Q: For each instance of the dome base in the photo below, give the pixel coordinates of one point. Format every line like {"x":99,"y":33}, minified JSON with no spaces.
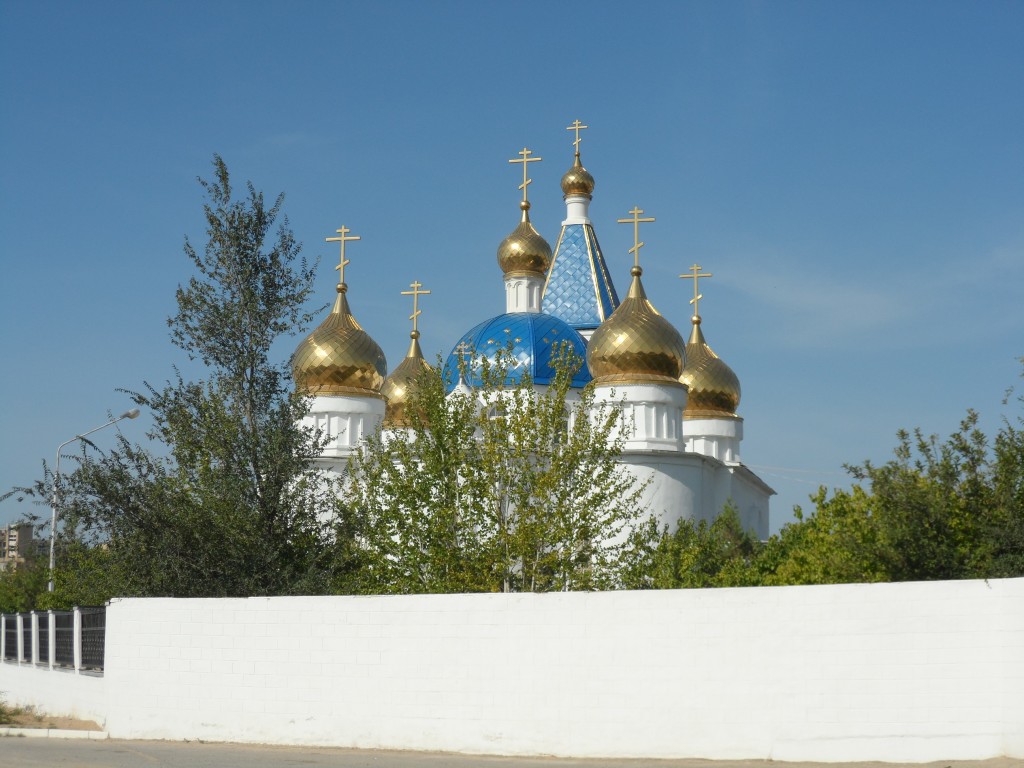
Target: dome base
{"x":652,"y":414}
{"x":345,"y":421}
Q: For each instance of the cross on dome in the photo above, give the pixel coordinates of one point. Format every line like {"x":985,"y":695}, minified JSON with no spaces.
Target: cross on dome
{"x":525,"y":160}
{"x":695,"y":276}
{"x":343,"y":239}
{"x":577,"y":126}
{"x":636,"y":221}
{"x":415,"y":293}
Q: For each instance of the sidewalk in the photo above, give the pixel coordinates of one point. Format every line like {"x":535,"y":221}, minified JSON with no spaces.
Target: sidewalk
{"x":98,"y":752}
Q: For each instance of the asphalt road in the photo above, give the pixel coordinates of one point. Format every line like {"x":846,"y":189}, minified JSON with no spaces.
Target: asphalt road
{"x":18,"y":752}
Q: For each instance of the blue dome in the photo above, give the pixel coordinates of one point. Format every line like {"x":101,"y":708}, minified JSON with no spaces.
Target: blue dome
{"x":533,"y":337}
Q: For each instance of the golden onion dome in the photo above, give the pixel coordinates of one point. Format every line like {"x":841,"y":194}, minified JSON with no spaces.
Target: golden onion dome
{"x":577,"y":180}
{"x":636,"y":344}
{"x":339,"y":357}
{"x":524,"y":251}
{"x":402,"y":382}
{"x":714,"y":387}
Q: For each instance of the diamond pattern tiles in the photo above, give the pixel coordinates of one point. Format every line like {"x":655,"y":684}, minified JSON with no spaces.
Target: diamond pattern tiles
{"x":339,"y":357}
{"x":636,"y":344}
{"x":532,"y":337}
{"x":400,"y":384}
{"x":579,"y":290}
{"x":714,"y":386}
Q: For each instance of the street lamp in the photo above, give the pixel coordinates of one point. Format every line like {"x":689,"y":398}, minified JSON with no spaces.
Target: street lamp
{"x":56,"y":483}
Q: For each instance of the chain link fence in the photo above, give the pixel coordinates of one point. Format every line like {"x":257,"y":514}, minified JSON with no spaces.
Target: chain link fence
{"x":10,"y":638}
{"x":64,"y":640}
{"x":94,"y":633}
{"x":44,"y":640}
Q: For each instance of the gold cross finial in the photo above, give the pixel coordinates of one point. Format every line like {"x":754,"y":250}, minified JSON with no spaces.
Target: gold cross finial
{"x":636,"y":221}
{"x":343,"y":239}
{"x":695,"y":275}
{"x":415,"y":293}
{"x":577,"y":126}
{"x":525,"y":160}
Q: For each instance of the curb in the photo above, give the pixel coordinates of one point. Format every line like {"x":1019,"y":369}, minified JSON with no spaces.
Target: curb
{"x":53,"y":733}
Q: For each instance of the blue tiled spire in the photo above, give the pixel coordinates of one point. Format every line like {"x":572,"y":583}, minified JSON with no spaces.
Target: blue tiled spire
{"x":579,"y":289}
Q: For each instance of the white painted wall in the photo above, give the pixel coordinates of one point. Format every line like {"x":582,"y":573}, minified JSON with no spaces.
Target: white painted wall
{"x":718,"y":438}
{"x":577,"y":210}
{"x":690,"y":486}
{"x":897,"y":672}
{"x":60,"y":692}
{"x":652,"y":415}
{"x":523,"y":292}
{"x":345,"y":420}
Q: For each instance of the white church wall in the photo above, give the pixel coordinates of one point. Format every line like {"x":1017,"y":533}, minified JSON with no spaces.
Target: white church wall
{"x":690,"y":486}
{"x":674,"y":484}
{"x":652,"y":415}
{"x":523,"y":293}
{"x":718,"y":438}
{"x":750,"y":499}
{"x":577,"y":208}
{"x":344,"y":420}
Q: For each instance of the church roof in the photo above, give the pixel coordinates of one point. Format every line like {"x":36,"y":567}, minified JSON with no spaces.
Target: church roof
{"x":578,"y":287}
{"x":401,"y":383}
{"x":339,"y":357}
{"x":714,"y":387}
{"x":533,"y":340}
{"x":637,"y":344}
{"x":524,"y":251}
{"x":577,"y":180}
{"x":404,"y":380}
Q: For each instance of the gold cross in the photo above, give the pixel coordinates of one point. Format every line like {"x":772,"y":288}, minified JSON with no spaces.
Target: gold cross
{"x":697,"y":274}
{"x":525,"y":160}
{"x":343,"y":239}
{"x":636,"y":221}
{"x":577,"y":126}
{"x":415,"y":293}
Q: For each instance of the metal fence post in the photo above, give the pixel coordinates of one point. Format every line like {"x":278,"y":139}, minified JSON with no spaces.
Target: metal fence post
{"x":3,"y":637}
{"x":20,"y":628}
{"x":53,"y":638}
{"x":34,"y":618}
{"x":77,"y":639}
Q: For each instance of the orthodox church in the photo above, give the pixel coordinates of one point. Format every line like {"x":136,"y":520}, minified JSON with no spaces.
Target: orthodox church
{"x":682,"y":432}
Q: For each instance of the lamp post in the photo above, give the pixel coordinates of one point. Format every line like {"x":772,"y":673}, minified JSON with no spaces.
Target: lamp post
{"x":131,"y":414}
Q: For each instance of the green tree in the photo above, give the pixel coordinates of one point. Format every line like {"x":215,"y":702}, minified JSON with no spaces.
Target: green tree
{"x":836,"y":543}
{"x":1005,"y":530}
{"x":22,"y":585}
{"x":697,"y":554}
{"x":505,"y":488}
{"x":947,"y":509}
{"x":223,"y":499}
{"x":930,"y":504}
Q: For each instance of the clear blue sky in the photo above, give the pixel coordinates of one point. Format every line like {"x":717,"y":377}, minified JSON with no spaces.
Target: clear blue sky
{"x":852,"y":174}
